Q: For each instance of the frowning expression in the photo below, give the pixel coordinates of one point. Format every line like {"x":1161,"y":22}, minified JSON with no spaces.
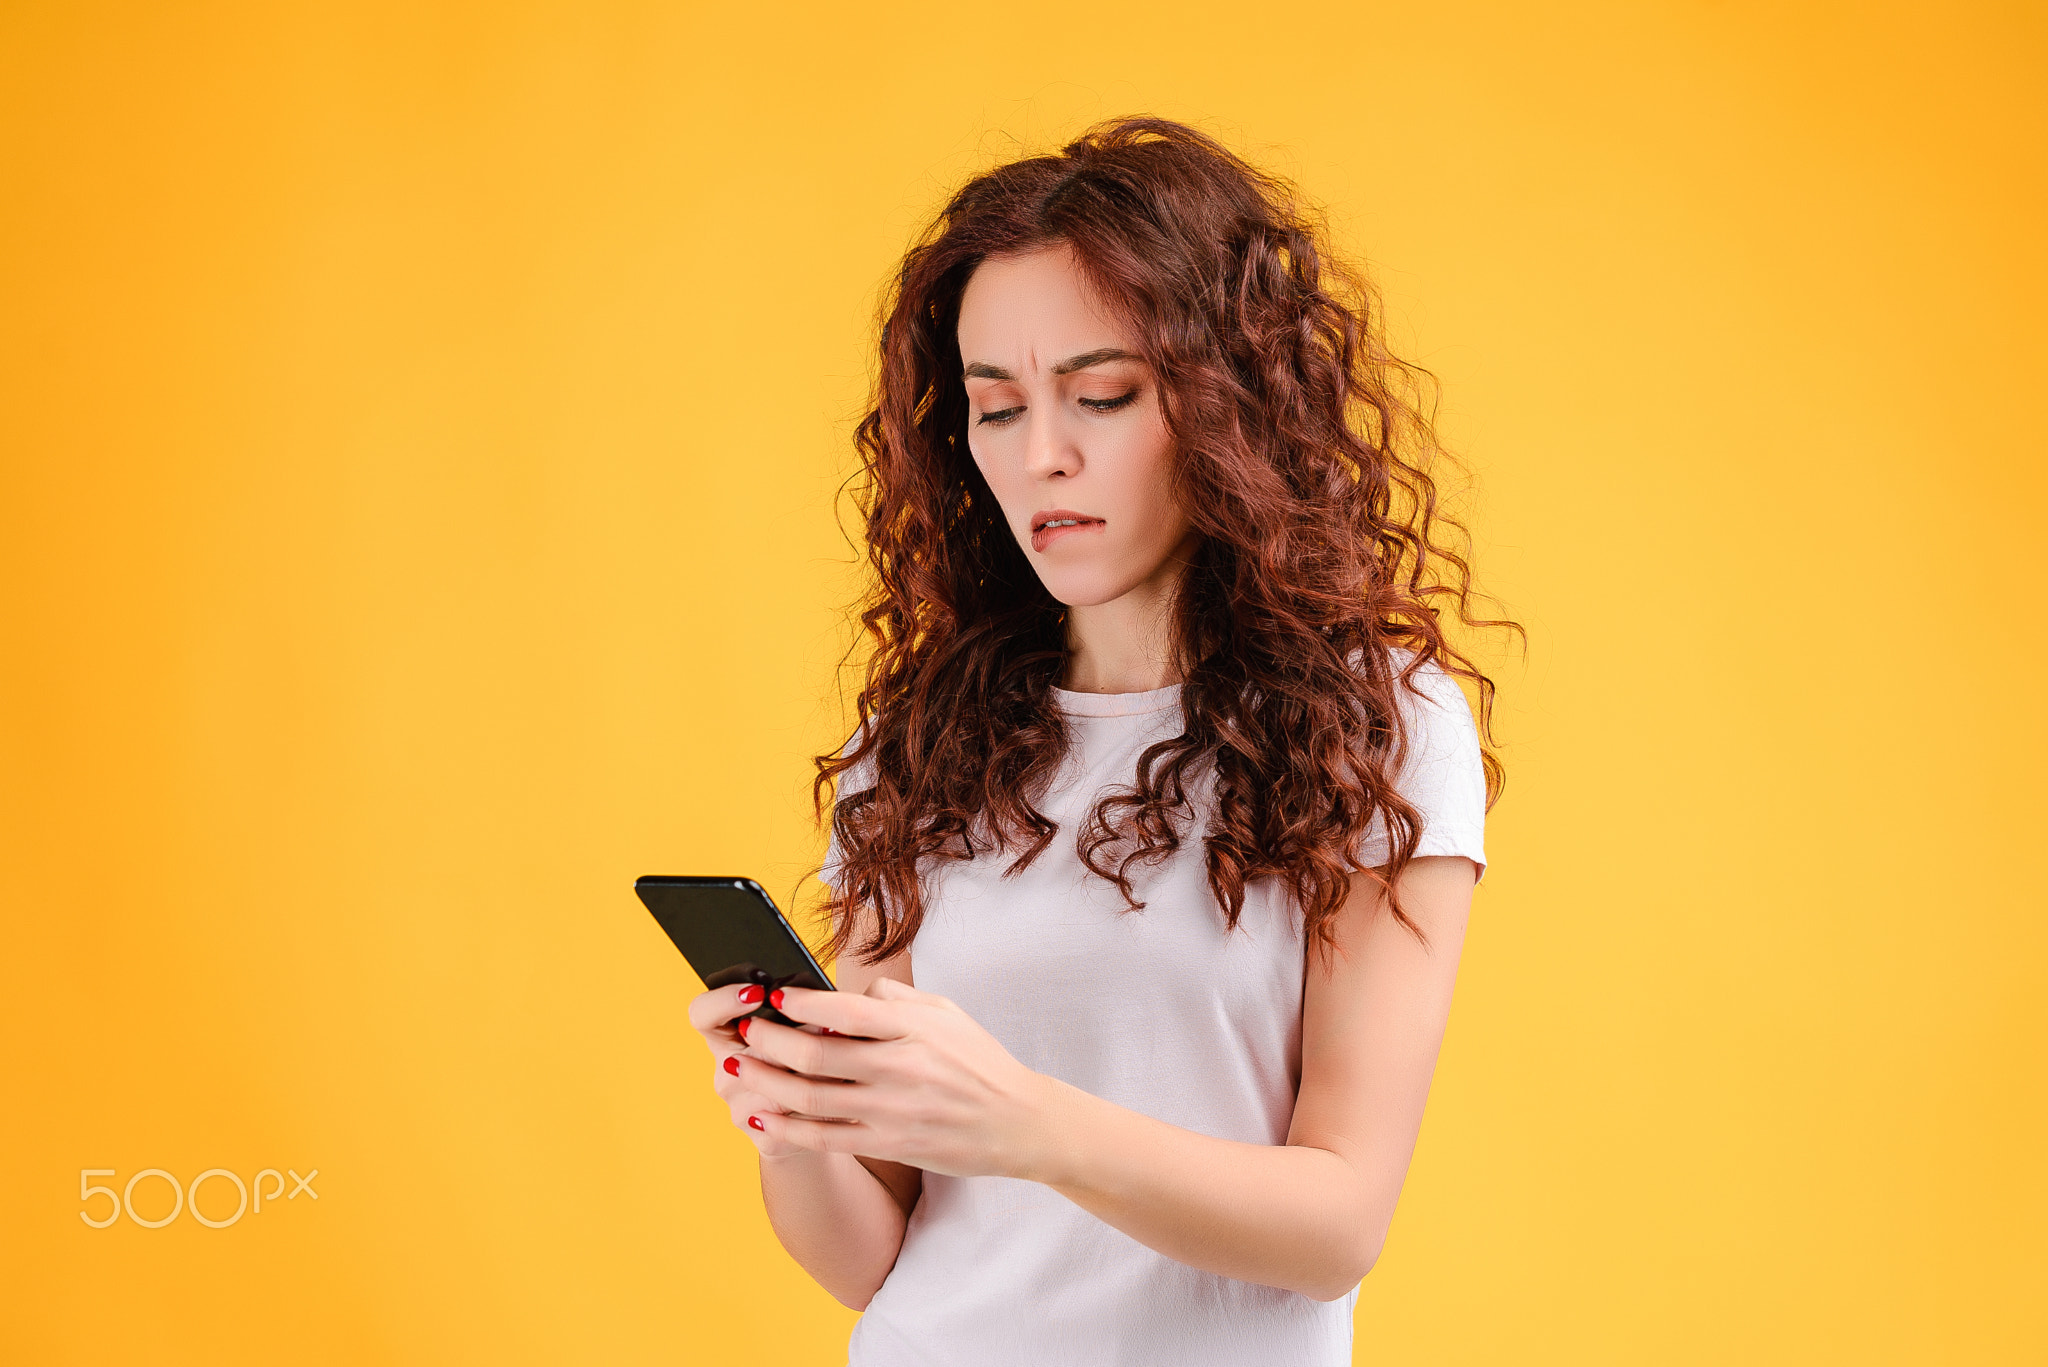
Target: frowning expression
{"x":1065,"y":424}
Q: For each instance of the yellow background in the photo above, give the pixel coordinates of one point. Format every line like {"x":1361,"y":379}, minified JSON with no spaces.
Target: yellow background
{"x":421,"y":428}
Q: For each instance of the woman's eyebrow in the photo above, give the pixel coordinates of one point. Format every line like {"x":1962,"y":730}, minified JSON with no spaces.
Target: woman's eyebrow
{"x":1095,"y":357}
{"x":982,"y":370}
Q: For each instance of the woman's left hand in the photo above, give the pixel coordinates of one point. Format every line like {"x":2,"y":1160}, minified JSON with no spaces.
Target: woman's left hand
{"x":905,"y":1076}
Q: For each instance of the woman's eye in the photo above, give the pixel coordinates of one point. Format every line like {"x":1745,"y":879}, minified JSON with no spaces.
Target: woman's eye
{"x":1000,"y":416}
{"x":1111,"y":405}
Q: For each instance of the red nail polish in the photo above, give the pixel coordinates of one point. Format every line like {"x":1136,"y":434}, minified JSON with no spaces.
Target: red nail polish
{"x":732,"y":1065}
{"x":755,"y":1121}
{"x":750,"y":994}
{"x":827,"y":1030}
{"x":775,"y":999}
{"x":741,"y":1025}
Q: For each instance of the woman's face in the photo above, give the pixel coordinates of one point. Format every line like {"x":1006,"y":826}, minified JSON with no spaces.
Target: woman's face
{"x":1064,"y":422}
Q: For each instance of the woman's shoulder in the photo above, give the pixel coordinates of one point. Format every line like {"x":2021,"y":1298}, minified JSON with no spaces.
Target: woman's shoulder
{"x":1442,"y":771}
{"x":1425,"y":692}
{"x":859,"y":776}
{"x":1439,"y":735}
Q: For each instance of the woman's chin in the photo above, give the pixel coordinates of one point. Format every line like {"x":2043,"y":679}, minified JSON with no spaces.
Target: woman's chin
{"x":1086,"y":590}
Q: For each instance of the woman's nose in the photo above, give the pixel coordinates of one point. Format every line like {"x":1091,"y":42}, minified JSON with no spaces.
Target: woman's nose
{"x":1049,"y":448}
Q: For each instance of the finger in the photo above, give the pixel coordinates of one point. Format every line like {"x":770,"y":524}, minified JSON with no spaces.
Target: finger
{"x":819,"y":1136}
{"x":800,"y":1051}
{"x":725,"y":1075}
{"x":849,"y":1013}
{"x":745,"y":1103}
{"x":722,"y":1005}
{"x":803,"y":1095}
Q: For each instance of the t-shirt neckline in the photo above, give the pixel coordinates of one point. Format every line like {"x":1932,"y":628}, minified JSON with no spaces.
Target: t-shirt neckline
{"x":1116,"y":704}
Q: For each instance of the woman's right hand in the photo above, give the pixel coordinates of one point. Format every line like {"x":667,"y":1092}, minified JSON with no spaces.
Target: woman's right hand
{"x":717,"y":1016}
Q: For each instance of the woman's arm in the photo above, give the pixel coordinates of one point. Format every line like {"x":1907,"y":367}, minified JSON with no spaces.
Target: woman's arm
{"x":1312,"y":1215}
{"x":928,"y":1086}
{"x":841,"y":1217}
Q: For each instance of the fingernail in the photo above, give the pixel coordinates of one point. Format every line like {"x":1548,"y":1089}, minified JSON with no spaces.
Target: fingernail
{"x":755,"y":1121}
{"x":732,"y":1064}
{"x":741,"y":1026}
{"x":775,"y":999}
{"x":750,"y":994}
{"x":827,"y":1030}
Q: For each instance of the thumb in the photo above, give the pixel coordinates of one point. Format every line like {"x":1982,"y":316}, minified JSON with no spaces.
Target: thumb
{"x":890,"y":990}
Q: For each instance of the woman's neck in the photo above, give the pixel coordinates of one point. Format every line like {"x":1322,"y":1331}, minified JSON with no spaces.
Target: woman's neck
{"x":1126,"y":644}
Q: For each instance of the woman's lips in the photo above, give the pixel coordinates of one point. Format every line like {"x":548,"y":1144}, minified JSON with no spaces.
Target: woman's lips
{"x":1068,"y":524}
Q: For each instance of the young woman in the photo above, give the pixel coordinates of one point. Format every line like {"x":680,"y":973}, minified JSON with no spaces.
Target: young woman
{"x":1152,"y":857}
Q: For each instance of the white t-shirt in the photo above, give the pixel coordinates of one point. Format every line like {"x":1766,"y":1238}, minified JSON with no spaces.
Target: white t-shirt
{"x":1158,"y":1010}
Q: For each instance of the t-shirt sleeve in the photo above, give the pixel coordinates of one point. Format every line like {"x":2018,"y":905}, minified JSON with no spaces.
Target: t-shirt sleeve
{"x":1442,"y":776}
{"x":857,"y":779}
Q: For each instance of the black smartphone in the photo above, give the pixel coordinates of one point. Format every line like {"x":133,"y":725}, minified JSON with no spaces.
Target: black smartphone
{"x":731,"y":932}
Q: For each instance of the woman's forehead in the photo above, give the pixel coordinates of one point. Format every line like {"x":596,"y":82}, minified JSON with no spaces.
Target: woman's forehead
{"x":1039,"y":309}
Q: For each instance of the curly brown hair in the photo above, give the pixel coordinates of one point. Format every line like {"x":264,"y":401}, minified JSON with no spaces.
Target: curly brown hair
{"x":1302,"y":456}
